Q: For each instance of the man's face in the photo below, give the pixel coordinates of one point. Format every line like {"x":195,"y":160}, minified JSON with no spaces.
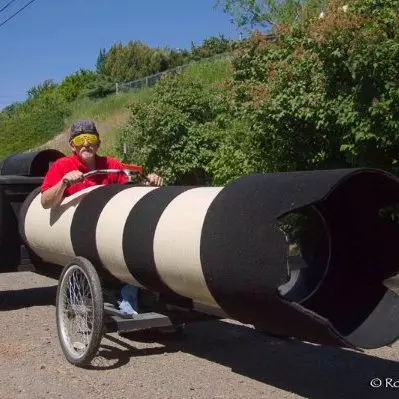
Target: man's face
{"x":85,"y":146}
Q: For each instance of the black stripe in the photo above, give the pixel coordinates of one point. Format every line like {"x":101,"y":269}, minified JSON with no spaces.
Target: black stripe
{"x":85,"y":219}
{"x":138,"y":236}
{"x":243,"y":252}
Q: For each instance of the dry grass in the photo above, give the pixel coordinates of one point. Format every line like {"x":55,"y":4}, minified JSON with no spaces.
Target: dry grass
{"x":112,"y":112}
{"x":107,"y":127}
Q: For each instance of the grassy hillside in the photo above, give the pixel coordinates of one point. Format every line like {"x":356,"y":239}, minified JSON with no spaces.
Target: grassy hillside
{"x":111,"y":112}
{"x":108,"y":113}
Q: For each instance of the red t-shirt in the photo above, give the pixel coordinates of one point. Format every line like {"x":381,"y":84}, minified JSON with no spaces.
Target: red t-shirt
{"x":72,"y":162}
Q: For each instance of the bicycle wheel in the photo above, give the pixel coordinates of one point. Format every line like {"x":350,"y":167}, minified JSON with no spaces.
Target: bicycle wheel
{"x":79,"y":311}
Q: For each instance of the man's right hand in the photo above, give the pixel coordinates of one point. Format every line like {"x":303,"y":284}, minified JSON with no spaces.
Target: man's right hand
{"x":73,"y":177}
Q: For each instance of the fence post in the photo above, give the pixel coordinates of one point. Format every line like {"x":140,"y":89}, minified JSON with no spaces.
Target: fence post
{"x":124,"y":152}
{"x":116,"y":87}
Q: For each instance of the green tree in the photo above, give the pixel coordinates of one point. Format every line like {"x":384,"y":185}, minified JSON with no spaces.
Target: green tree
{"x":325,"y":93}
{"x":134,"y":60}
{"x":178,"y":131}
{"x":248,"y":14}
{"x":100,"y":87}
{"x":100,"y":61}
{"x":211,"y":46}
{"x":11,"y":110}
{"x":176,"y":57}
{"x":46,"y":88}
{"x":74,"y":85}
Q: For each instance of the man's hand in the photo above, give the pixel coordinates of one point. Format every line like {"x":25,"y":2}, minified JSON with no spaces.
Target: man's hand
{"x":54,"y":195}
{"x":73,"y":177}
{"x":154,"y":179}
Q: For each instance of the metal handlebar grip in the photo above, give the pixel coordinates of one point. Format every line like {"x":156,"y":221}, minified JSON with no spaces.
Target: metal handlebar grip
{"x":66,"y":181}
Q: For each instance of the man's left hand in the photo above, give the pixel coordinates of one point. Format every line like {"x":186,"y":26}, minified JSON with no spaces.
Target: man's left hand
{"x":154,"y":179}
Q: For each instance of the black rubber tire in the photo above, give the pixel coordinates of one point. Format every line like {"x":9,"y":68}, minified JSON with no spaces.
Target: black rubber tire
{"x":90,"y":274}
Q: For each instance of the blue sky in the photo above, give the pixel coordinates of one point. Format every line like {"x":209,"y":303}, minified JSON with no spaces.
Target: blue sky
{"x":51,"y":39}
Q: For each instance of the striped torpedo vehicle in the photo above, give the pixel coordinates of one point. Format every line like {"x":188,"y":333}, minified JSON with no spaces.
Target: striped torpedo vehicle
{"x":307,"y":255}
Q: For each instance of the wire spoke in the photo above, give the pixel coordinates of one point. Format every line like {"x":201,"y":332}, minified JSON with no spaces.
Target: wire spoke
{"x":77,"y":312}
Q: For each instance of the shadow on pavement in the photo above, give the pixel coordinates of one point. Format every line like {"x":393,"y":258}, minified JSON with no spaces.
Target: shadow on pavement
{"x":307,"y":370}
{"x":110,"y":357}
{"x":18,"y":299}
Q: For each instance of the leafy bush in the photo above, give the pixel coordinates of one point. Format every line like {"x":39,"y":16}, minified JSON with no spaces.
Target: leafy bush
{"x":34,"y":122}
{"x":250,"y":13}
{"x":43,"y":90}
{"x":100,"y":87}
{"x":237,"y":153}
{"x":135,"y":60}
{"x":210,"y":47}
{"x":73,"y":86}
{"x":177,"y":131}
{"x":325,"y":93}
{"x":321,"y":93}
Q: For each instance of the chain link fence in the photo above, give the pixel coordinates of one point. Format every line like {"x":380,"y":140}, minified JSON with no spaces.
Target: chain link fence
{"x":150,"y":80}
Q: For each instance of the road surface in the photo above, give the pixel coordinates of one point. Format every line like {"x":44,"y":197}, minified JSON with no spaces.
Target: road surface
{"x":217,"y":359}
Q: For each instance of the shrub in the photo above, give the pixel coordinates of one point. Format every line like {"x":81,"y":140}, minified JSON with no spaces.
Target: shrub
{"x":177,"y":131}
{"x":324,"y":94}
{"x":319,"y":94}
{"x":34,"y":122}
{"x":210,"y":47}
{"x":74,"y":85}
{"x":99,"y":87}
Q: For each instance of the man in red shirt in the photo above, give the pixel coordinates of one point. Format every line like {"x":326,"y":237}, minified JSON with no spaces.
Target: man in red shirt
{"x":65,"y":176}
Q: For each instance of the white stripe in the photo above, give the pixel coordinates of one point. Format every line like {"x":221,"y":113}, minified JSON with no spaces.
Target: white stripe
{"x":48,"y":231}
{"x":177,"y":244}
{"x":109,"y":233}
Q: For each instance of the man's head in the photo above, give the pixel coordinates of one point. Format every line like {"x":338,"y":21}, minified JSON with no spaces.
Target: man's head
{"x":84,"y":140}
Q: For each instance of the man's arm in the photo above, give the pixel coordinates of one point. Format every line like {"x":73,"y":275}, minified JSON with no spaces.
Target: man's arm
{"x":54,"y":195}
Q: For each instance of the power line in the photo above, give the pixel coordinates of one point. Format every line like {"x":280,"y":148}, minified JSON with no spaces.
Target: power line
{"x":8,"y":4}
{"x":16,"y":13}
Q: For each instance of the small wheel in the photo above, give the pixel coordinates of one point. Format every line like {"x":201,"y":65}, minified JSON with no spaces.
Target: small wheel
{"x":79,"y":311}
